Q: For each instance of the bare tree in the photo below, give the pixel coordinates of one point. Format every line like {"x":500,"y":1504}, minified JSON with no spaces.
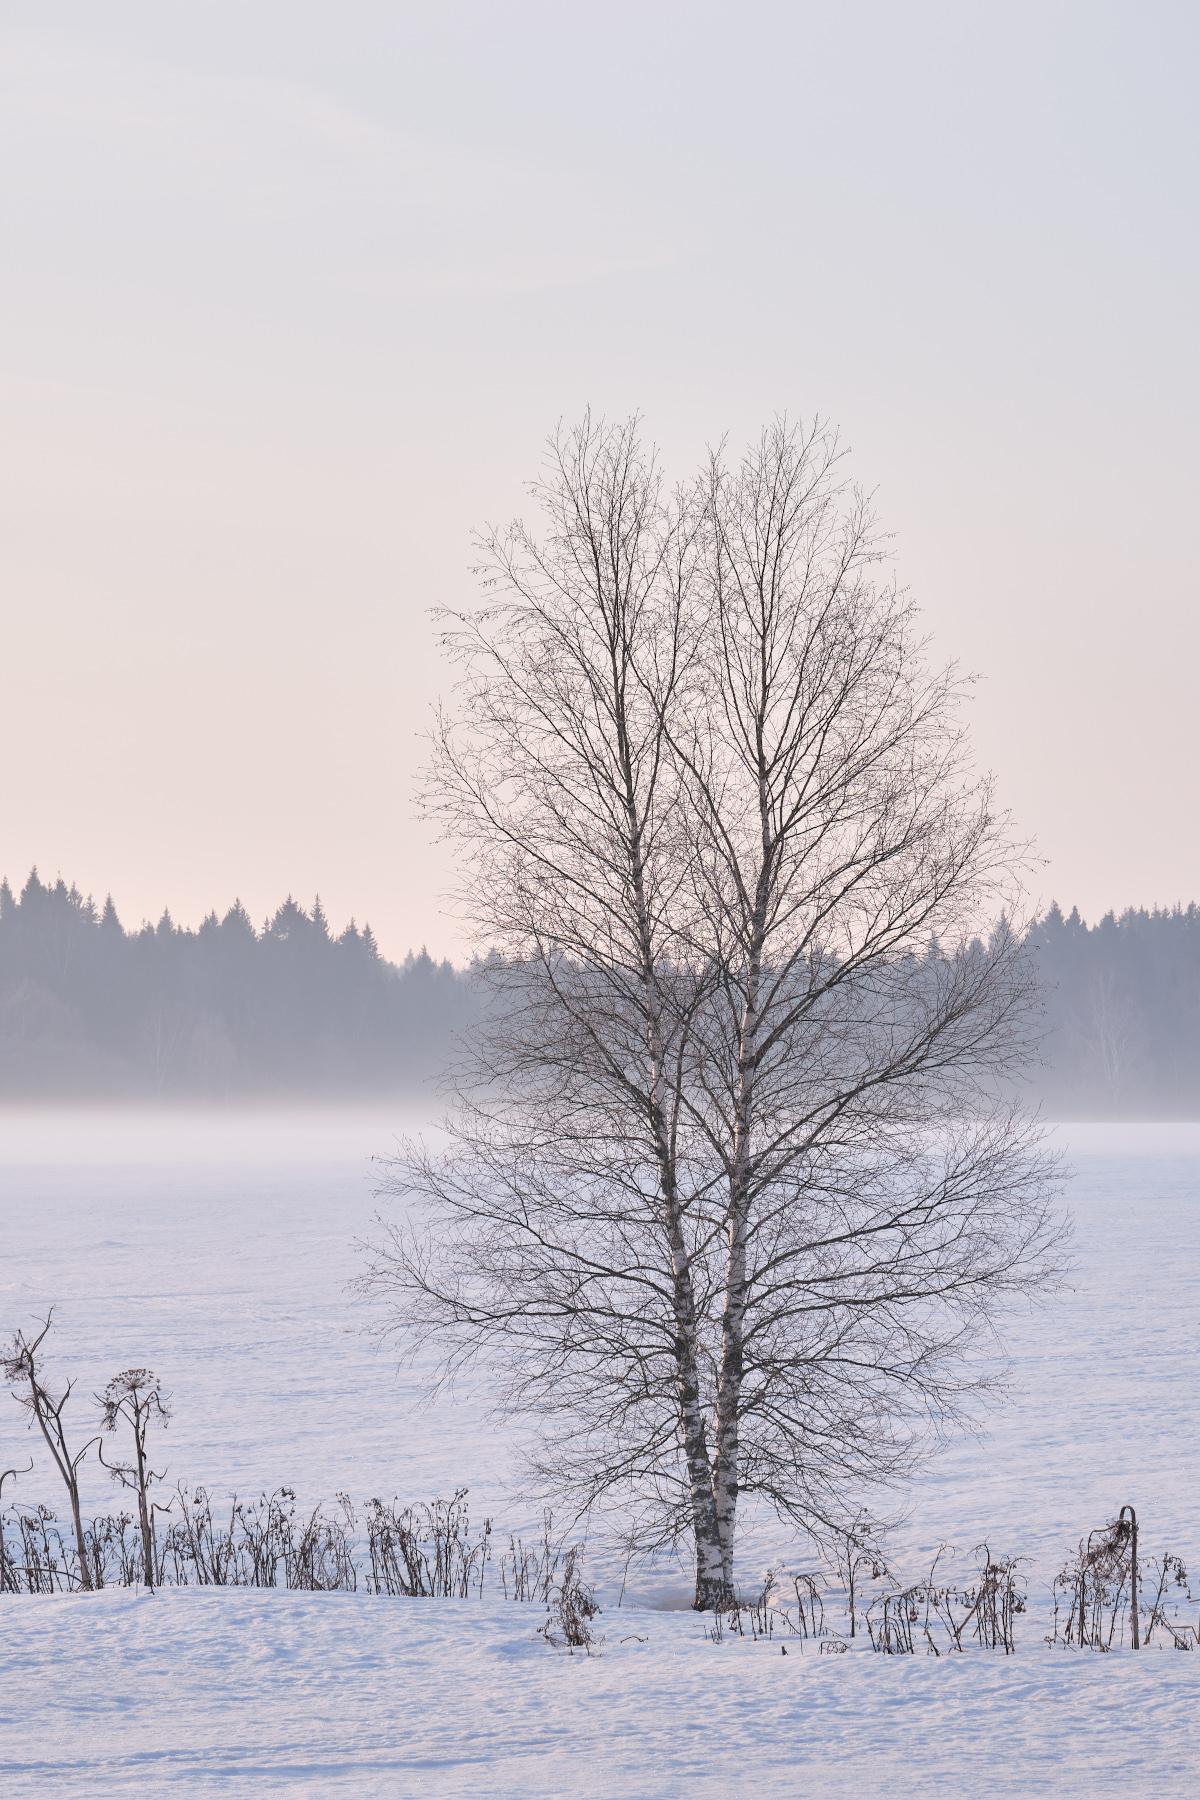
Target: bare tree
{"x":135,"y":1398}
{"x":573,"y":1239}
{"x":881,"y":1194}
{"x":729,"y":1191}
{"x":24,"y":1369}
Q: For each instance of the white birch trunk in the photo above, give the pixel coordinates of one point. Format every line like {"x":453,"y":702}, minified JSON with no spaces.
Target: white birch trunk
{"x":712,"y":1589}
{"x":733,"y":1321}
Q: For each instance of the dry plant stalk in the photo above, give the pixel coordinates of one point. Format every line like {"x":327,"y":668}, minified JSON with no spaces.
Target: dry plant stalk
{"x":23,"y":1367}
{"x":135,"y":1398}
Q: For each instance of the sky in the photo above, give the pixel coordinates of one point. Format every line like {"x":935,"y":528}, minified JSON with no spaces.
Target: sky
{"x":291,"y":294}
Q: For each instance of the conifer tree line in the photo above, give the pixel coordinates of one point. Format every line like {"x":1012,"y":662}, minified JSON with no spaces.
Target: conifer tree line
{"x":90,"y":1009}
{"x":1122,"y":1014}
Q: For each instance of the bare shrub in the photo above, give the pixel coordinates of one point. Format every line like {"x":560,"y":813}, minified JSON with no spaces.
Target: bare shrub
{"x":858,"y":1560}
{"x":772,"y":1611}
{"x":427,"y":1551}
{"x":890,"y":1620}
{"x":200,"y":1550}
{"x":1098,"y":1593}
{"x":994,"y":1602}
{"x":260,"y":1543}
{"x":752,"y":1616}
{"x":942,"y":1614}
{"x":572,"y":1607}
{"x":265,"y":1531}
{"x":808,"y":1617}
{"x":1172,"y":1583}
{"x":36,"y":1557}
{"x":528,"y":1571}
{"x":319,"y":1559}
{"x":116,"y":1551}
{"x":1095,"y":1592}
{"x":9,"y":1583}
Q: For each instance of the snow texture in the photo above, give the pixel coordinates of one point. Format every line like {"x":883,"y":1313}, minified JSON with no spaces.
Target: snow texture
{"x":197,"y":1692}
{"x":218,"y":1254}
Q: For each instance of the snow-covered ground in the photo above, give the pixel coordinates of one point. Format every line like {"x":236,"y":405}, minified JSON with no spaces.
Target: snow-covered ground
{"x":197,"y":1692}
{"x":218,"y":1253}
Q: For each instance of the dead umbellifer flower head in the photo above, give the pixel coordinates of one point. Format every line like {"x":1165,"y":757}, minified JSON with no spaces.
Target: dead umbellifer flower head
{"x":134,"y":1394}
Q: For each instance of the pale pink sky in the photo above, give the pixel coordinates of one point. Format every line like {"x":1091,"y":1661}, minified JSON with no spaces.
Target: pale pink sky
{"x":291,"y":295}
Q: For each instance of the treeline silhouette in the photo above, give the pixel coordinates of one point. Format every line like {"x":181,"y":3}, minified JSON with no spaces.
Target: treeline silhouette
{"x":1122,"y":1003}
{"x":89,"y":1010}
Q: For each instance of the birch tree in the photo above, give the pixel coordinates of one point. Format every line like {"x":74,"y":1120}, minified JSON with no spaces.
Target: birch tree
{"x":727,"y":1192}
{"x":882,"y":1196}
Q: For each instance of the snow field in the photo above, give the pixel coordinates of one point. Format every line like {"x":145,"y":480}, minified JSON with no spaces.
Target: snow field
{"x":202,"y":1692}
{"x":218,"y":1253}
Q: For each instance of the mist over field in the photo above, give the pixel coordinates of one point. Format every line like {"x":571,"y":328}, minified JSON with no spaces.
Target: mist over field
{"x":295,"y":1009}
{"x":220,"y":1248}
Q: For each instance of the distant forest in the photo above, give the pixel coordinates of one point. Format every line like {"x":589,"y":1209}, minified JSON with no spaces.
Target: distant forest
{"x":90,"y":1010}
{"x":1122,"y":1002}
